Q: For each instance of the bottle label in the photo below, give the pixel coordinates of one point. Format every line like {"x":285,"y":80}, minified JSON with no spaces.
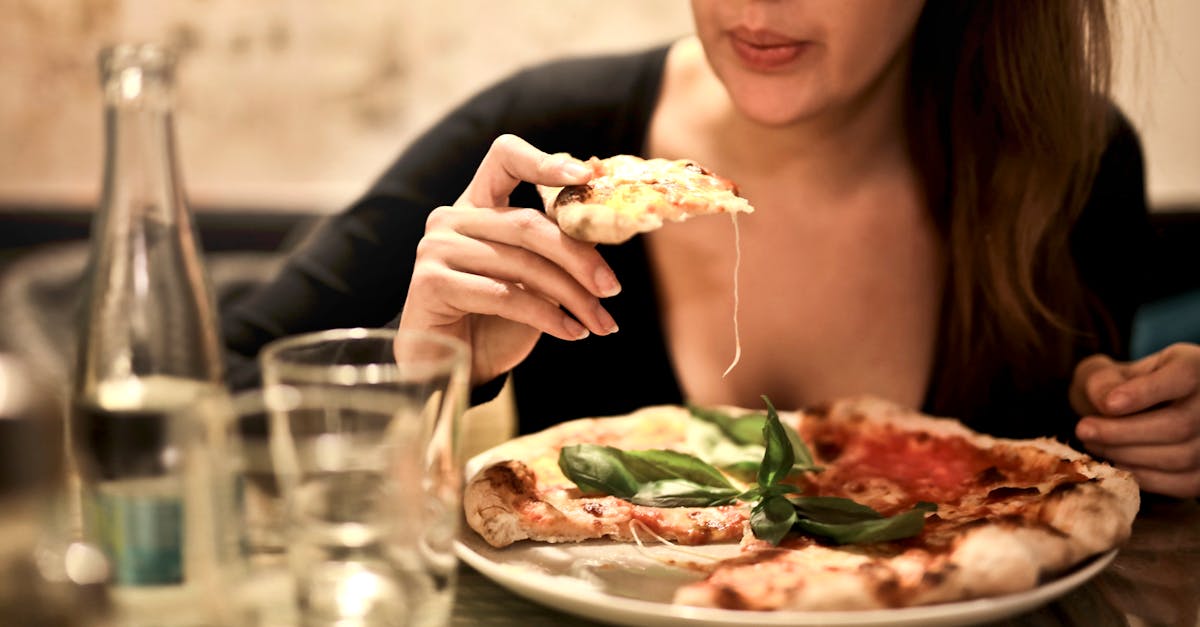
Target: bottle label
{"x":142,"y":535}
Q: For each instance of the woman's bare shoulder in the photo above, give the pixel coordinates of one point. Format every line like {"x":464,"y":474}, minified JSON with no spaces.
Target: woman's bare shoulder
{"x":690,"y":100}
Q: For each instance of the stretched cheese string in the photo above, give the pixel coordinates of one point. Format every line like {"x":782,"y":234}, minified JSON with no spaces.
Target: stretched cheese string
{"x":737,"y":264}
{"x":633,"y":530}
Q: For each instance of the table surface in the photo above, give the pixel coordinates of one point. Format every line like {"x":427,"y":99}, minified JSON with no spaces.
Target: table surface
{"x":1154,"y":580}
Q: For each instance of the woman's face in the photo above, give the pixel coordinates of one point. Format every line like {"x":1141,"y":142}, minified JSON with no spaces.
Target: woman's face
{"x":785,"y":61}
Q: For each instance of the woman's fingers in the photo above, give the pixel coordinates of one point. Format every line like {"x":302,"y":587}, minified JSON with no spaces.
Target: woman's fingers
{"x":531,"y":230}
{"x":512,"y":265}
{"x":461,"y":293}
{"x":1094,"y":377}
{"x":1172,"y":423}
{"x":1146,"y":416}
{"x":1185,"y":485}
{"x":1159,"y":378}
{"x":1175,"y":457}
{"x":511,"y":160}
{"x":499,"y":277}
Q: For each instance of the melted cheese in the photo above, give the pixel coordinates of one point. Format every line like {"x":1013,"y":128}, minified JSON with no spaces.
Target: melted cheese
{"x":737,"y":265}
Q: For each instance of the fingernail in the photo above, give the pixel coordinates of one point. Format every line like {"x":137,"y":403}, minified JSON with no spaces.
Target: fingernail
{"x":606,"y":282}
{"x":575,"y":170}
{"x":1086,"y":431}
{"x":607,"y":324}
{"x":573,"y":328}
{"x":1118,"y":401}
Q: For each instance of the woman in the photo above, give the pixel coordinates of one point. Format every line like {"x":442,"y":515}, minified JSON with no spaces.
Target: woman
{"x":944,"y":218}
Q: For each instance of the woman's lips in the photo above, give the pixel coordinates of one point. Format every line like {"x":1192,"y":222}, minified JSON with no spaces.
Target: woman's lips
{"x":765,"y":50}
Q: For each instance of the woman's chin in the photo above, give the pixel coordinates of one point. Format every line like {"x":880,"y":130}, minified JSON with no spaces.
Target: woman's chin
{"x":779,"y":112}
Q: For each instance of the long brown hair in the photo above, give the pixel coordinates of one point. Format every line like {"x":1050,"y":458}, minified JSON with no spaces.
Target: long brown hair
{"x":1015,"y":91}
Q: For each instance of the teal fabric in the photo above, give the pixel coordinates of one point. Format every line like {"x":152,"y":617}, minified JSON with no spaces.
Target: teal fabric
{"x":1159,"y":323}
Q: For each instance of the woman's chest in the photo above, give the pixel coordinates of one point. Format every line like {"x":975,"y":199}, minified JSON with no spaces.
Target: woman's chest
{"x":821,"y":307}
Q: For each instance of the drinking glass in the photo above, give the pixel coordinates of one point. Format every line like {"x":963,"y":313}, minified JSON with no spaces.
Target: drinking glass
{"x":363,"y":437}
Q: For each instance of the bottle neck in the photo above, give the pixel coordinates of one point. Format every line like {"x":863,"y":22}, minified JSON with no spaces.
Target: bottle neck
{"x":150,"y":315}
{"x":141,"y":177}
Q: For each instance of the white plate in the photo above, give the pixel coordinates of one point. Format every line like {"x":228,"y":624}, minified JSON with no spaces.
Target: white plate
{"x":624,"y":584}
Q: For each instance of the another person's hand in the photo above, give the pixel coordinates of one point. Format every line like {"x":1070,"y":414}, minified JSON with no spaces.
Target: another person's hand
{"x":1144,"y":416}
{"x":495,"y":276}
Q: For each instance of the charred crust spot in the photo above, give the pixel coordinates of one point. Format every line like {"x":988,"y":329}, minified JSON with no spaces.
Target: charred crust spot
{"x":594,"y":508}
{"x":702,"y":530}
{"x":512,"y":476}
{"x":573,"y":194}
{"x":818,"y":412}
{"x":828,"y":450}
{"x":1067,"y":487}
{"x":1008,"y":492}
{"x":971,"y":524}
{"x":1008,"y":520}
{"x":990,"y":476}
{"x":886,"y":585}
{"x":888,"y":591}
{"x":759,"y":557}
{"x":933,"y":578}
{"x":1012,"y":521}
{"x":729,"y":598}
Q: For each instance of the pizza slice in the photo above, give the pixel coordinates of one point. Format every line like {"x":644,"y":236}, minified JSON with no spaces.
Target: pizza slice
{"x":629,"y":195}
{"x":517,"y":491}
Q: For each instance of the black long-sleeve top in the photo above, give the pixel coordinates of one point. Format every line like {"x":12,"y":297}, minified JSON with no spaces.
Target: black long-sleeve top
{"x":356,"y":270}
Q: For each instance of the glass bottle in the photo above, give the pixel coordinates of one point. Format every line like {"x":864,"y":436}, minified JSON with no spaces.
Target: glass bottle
{"x":149,"y":361}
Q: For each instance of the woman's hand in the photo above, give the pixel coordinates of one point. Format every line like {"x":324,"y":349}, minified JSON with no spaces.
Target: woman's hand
{"x":495,"y":276}
{"x":1144,"y":416}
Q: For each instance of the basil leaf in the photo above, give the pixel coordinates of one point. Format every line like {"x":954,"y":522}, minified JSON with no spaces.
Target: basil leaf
{"x":753,"y":494}
{"x":772,"y":518}
{"x":709,"y":443}
{"x":656,"y":477}
{"x":747,"y":429}
{"x":682,"y":493}
{"x":779,"y":455}
{"x":744,"y":471}
{"x":803,"y":457}
{"x":597,"y":469}
{"x":744,"y":430}
{"x":832,"y":509}
{"x":653,"y":465}
{"x":896,"y":527}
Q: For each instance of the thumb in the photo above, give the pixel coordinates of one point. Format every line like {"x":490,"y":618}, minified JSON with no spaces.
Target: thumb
{"x":1094,"y":378}
{"x":511,"y":160}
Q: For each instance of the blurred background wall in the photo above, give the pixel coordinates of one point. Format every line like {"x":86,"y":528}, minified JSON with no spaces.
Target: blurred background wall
{"x":296,"y":105}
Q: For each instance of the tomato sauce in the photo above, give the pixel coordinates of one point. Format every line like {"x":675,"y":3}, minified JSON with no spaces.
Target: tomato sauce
{"x":926,"y":467}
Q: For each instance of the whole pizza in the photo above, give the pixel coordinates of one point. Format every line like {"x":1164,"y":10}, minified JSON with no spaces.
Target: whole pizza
{"x":861,"y":504}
